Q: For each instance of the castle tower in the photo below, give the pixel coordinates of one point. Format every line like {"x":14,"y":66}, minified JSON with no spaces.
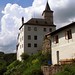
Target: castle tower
{"x":48,"y":13}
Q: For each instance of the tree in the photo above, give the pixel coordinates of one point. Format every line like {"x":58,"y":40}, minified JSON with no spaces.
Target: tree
{"x":24,"y":56}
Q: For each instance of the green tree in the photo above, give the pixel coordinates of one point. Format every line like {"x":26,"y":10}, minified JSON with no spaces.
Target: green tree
{"x":24,"y":56}
{"x":2,"y":67}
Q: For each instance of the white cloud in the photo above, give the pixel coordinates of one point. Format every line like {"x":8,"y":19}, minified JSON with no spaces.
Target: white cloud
{"x":11,"y":20}
{"x":10,"y":23}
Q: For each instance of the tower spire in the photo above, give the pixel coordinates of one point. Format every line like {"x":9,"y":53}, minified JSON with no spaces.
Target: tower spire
{"x":47,"y":7}
{"x":48,"y":13}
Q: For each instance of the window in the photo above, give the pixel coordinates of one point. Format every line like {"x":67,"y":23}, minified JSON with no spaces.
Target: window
{"x":29,"y":44}
{"x":44,"y":29}
{"x":29,"y":28}
{"x":22,"y":37}
{"x":36,"y":21}
{"x":68,"y":34}
{"x":35,"y":45}
{"x":57,"y":57}
{"x":56,"y":39}
{"x":35,"y":37}
{"x":35,"y":28}
{"x":50,"y":29}
{"x":29,"y":37}
{"x":22,"y":45}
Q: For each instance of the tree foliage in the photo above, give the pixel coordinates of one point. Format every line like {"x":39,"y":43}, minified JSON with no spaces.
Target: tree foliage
{"x":31,"y":65}
{"x":5,"y":60}
{"x":24,"y":56}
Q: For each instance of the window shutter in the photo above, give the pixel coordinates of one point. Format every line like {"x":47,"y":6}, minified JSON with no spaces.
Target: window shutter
{"x":70,"y":34}
{"x":66,"y":35}
{"x":56,"y":38}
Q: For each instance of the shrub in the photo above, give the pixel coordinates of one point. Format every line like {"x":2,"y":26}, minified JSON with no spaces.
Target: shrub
{"x":15,"y":63}
{"x":24,"y":56}
{"x":67,"y":70}
{"x":37,"y":72}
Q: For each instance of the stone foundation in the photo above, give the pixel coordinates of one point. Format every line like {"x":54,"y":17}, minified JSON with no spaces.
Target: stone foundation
{"x":51,"y":70}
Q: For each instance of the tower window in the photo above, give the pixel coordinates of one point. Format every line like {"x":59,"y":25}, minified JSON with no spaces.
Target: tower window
{"x":50,"y":29}
{"x":35,"y":37}
{"x":36,"y":21}
{"x":44,"y":29}
{"x":29,"y":37}
{"x":29,"y":44}
{"x":68,"y":34}
{"x":35,"y":45}
{"x":29,"y":28}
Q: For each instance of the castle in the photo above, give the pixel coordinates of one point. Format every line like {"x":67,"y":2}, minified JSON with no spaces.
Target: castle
{"x":31,"y":35}
{"x":60,"y":42}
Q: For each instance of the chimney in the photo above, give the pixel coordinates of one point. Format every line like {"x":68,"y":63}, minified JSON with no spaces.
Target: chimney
{"x":22,"y":20}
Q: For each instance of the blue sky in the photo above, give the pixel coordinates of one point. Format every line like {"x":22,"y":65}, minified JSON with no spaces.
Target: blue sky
{"x":23,"y":3}
{"x":11,"y":12}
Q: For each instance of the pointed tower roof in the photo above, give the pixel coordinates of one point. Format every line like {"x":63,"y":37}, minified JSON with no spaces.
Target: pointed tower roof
{"x":48,"y":13}
{"x":47,"y":7}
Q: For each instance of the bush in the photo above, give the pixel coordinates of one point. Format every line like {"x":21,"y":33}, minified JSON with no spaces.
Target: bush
{"x":15,"y":63}
{"x":24,"y":56}
{"x":31,"y":65}
{"x":67,"y":70}
{"x":37,"y":72}
{"x":12,"y":68}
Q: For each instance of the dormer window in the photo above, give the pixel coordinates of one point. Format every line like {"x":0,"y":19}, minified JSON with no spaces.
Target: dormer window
{"x":50,"y":29}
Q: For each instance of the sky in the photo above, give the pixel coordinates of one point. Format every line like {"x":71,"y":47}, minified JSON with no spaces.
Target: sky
{"x":11,"y":12}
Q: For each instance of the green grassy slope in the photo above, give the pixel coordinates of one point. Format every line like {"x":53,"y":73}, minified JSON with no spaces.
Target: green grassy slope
{"x":31,"y":65}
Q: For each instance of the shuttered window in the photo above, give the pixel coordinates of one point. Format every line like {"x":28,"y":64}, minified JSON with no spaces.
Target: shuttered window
{"x":68,"y":34}
{"x":56,"y":39}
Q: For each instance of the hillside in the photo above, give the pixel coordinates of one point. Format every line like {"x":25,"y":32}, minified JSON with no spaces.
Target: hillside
{"x":31,"y":65}
{"x":5,"y":60}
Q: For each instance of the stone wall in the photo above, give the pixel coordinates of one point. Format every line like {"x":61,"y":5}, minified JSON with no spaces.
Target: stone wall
{"x":46,"y":48}
{"x":51,"y":70}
